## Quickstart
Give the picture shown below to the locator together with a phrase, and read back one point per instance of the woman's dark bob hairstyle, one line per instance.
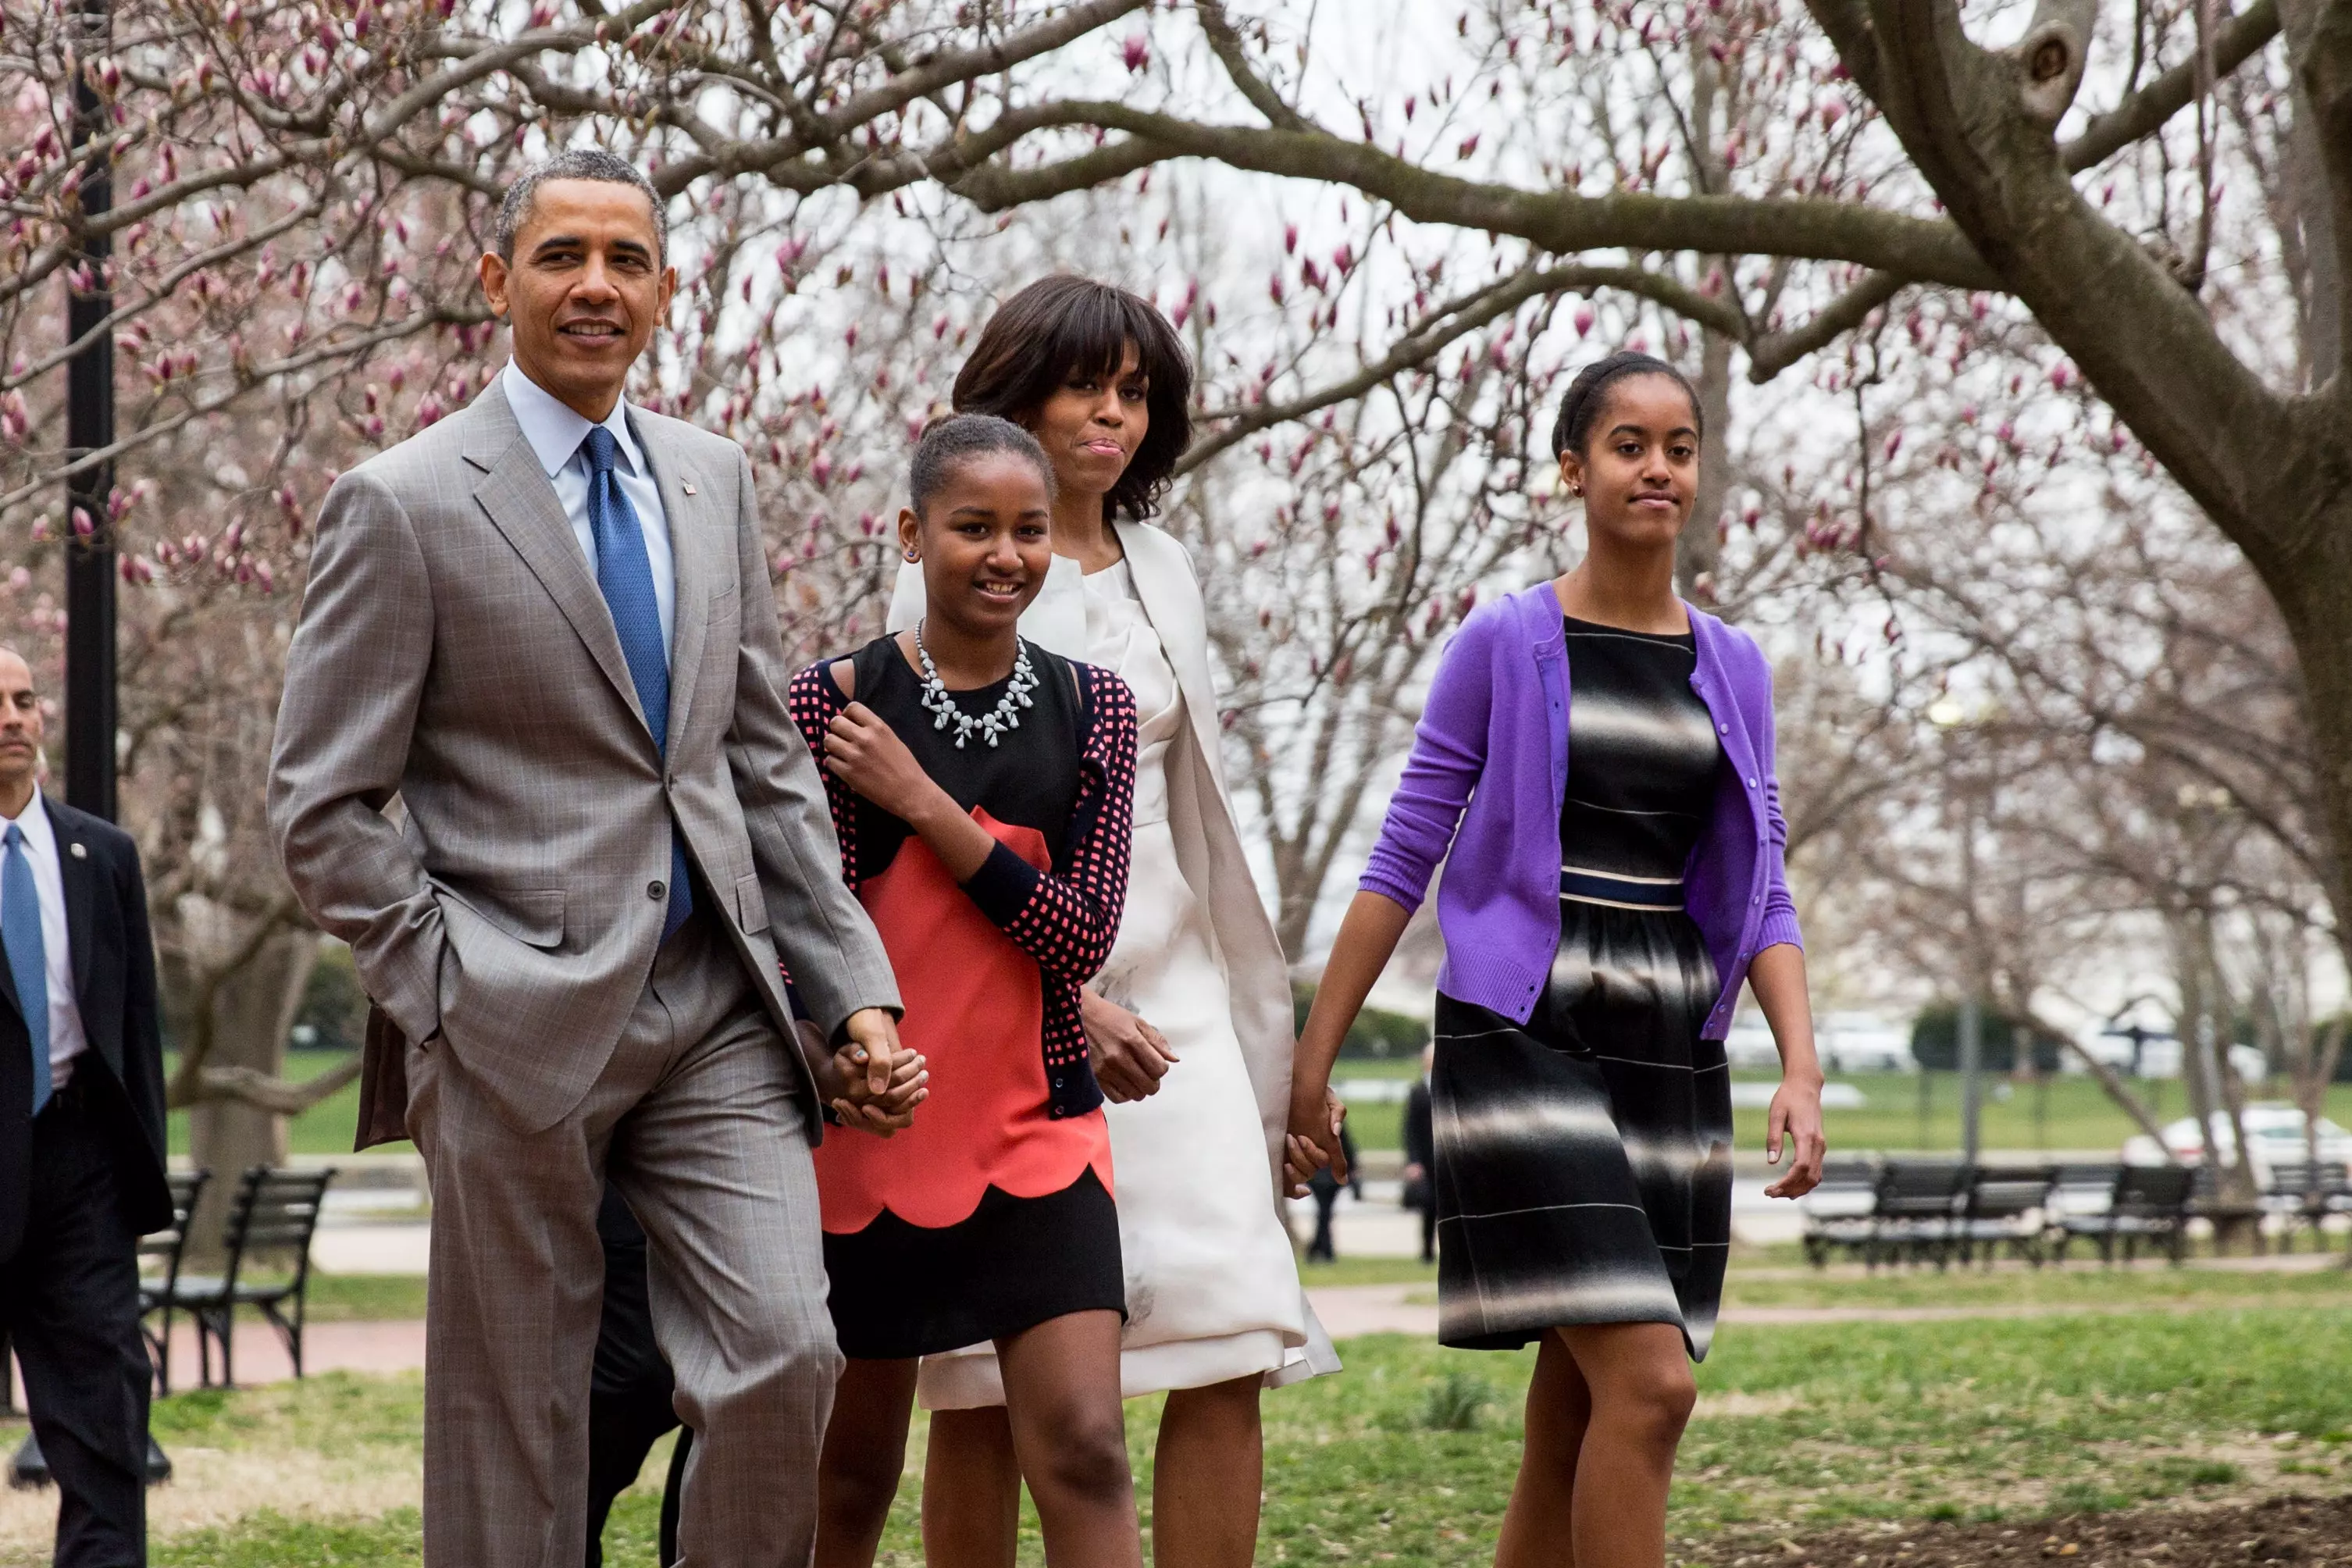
(1067, 326)
(1588, 394)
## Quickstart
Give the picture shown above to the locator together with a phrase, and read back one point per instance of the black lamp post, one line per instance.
(89, 533)
(91, 720)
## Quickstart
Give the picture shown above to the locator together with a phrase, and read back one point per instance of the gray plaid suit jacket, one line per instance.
(454, 649)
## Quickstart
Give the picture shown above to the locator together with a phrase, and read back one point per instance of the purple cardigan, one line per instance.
(1491, 755)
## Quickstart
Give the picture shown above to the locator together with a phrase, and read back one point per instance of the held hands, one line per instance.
(872, 1082)
(1796, 1121)
(866, 754)
(1130, 1057)
(1315, 1118)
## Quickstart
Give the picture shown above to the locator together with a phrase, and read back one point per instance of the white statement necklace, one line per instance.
(1005, 716)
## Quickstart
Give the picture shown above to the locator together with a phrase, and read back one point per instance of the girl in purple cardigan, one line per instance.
(1613, 874)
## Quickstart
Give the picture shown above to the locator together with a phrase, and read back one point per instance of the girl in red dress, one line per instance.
(981, 786)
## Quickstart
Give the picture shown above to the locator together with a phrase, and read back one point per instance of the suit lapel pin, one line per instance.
(688, 485)
(78, 852)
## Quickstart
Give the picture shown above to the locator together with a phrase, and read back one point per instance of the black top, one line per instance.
(1067, 772)
(1642, 753)
(1028, 779)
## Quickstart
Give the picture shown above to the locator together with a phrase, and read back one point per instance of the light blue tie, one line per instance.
(626, 576)
(28, 957)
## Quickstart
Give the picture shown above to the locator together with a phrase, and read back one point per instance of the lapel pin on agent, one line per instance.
(79, 853)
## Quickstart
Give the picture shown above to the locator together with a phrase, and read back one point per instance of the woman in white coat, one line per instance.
(1189, 1022)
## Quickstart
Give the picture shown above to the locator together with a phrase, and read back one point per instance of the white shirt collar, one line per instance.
(555, 430)
(39, 833)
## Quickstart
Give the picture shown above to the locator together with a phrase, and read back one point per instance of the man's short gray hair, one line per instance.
(578, 163)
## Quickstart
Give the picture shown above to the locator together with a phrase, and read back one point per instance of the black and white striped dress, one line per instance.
(1584, 1160)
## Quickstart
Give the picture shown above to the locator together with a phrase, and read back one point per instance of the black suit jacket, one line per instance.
(114, 983)
(1420, 1145)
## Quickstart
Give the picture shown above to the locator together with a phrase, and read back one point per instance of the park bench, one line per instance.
(2231, 1219)
(2149, 1204)
(2006, 1206)
(160, 1254)
(2081, 1189)
(2304, 1193)
(270, 1222)
(1916, 1215)
(1839, 1211)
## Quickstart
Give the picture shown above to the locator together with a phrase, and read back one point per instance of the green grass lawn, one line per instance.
(1409, 1455)
(1768, 1278)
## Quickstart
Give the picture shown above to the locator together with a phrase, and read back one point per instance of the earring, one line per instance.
(912, 557)
(1576, 490)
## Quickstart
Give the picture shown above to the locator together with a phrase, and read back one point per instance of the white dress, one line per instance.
(1212, 1288)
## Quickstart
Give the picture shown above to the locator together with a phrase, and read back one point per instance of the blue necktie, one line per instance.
(28, 957)
(627, 577)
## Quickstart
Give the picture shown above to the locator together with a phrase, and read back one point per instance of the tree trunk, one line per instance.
(1701, 545)
(253, 1011)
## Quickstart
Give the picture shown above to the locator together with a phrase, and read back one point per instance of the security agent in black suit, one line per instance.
(1421, 1156)
(630, 1390)
(81, 1140)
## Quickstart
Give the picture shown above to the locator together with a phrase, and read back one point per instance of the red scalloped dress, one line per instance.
(994, 1211)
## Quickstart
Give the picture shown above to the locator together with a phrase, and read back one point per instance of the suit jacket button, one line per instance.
(655, 890)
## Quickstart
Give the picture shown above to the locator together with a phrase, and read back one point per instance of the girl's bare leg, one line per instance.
(1538, 1527)
(1206, 1479)
(972, 1490)
(1061, 1392)
(865, 1454)
(1636, 1398)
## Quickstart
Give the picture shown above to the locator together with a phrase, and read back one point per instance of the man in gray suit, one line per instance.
(546, 625)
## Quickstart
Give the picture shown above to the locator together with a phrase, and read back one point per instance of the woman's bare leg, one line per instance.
(1206, 1478)
(972, 1490)
(1061, 1392)
(1638, 1394)
(865, 1454)
(1538, 1527)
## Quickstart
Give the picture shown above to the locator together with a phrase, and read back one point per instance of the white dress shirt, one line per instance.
(67, 1040)
(555, 433)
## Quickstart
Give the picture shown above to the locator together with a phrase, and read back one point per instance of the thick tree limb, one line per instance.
(2243, 38)
(249, 1086)
(1449, 323)
(834, 127)
(1769, 356)
(2143, 342)
(1561, 222)
(1227, 45)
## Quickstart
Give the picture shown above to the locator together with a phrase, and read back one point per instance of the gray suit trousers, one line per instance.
(698, 1120)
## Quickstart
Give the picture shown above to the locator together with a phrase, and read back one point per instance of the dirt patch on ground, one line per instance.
(209, 1487)
(2313, 1533)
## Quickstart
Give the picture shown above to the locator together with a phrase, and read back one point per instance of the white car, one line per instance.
(2275, 1133)
(1863, 1042)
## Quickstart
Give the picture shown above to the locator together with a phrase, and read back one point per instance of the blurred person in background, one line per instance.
(81, 1140)
(1325, 1187)
(1420, 1155)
